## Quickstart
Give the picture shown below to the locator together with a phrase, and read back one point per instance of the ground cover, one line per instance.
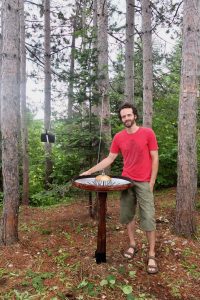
(55, 256)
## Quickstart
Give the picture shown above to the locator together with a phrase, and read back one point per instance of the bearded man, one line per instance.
(139, 149)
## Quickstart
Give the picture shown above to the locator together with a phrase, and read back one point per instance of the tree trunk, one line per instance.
(84, 104)
(103, 80)
(187, 157)
(96, 107)
(71, 71)
(1, 45)
(10, 119)
(147, 64)
(198, 40)
(24, 131)
(47, 92)
(129, 52)
(0, 64)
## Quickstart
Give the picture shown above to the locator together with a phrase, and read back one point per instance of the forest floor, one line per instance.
(55, 256)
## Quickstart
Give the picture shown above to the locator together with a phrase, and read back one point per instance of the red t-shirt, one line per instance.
(135, 149)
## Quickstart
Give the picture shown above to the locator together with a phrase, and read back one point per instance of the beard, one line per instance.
(129, 123)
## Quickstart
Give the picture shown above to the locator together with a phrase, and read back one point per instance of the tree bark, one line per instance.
(71, 70)
(10, 107)
(84, 104)
(187, 157)
(103, 79)
(0, 64)
(96, 107)
(47, 92)
(198, 39)
(147, 64)
(1, 46)
(24, 131)
(129, 52)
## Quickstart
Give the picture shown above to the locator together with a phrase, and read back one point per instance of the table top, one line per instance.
(89, 183)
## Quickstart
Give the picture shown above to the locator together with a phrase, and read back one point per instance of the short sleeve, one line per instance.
(152, 141)
(114, 148)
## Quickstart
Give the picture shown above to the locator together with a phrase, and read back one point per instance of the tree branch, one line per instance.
(116, 38)
(42, 63)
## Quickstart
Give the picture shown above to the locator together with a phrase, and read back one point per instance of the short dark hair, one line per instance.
(127, 105)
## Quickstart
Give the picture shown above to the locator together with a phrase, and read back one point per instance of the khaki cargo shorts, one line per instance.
(139, 194)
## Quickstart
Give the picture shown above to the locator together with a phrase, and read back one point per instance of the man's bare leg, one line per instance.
(131, 235)
(151, 237)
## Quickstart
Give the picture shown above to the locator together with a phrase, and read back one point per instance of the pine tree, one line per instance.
(129, 52)
(10, 103)
(187, 158)
(24, 131)
(47, 91)
(147, 64)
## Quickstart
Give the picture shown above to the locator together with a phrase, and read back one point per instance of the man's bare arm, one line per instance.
(106, 162)
(154, 172)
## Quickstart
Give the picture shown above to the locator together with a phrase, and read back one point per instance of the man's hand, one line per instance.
(85, 173)
(155, 162)
(106, 162)
(151, 184)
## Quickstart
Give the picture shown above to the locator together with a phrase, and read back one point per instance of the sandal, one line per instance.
(130, 255)
(152, 269)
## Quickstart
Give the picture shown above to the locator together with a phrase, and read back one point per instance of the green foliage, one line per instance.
(110, 281)
(77, 139)
(37, 279)
(57, 193)
(127, 289)
(165, 127)
(75, 148)
(89, 288)
(192, 269)
(198, 148)
(1, 198)
(60, 259)
(36, 157)
(166, 95)
(23, 295)
(165, 121)
(197, 205)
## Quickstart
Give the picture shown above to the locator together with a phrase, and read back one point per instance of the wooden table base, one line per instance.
(100, 253)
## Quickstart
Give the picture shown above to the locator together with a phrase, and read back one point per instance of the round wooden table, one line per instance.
(89, 183)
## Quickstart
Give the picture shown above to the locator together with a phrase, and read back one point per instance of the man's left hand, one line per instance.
(151, 184)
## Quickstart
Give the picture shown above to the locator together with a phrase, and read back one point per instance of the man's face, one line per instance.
(127, 117)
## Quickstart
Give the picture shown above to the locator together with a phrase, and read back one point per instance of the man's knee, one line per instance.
(147, 222)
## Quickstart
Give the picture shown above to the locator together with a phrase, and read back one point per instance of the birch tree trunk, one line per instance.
(129, 52)
(187, 157)
(103, 79)
(24, 131)
(47, 91)
(147, 64)
(10, 119)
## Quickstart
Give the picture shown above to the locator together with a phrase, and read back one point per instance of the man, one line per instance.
(139, 150)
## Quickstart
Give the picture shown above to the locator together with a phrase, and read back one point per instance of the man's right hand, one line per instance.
(85, 173)
(106, 162)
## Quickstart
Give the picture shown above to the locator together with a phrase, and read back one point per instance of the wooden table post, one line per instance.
(89, 183)
(100, 253)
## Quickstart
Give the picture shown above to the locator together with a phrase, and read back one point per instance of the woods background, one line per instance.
(86, 57)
